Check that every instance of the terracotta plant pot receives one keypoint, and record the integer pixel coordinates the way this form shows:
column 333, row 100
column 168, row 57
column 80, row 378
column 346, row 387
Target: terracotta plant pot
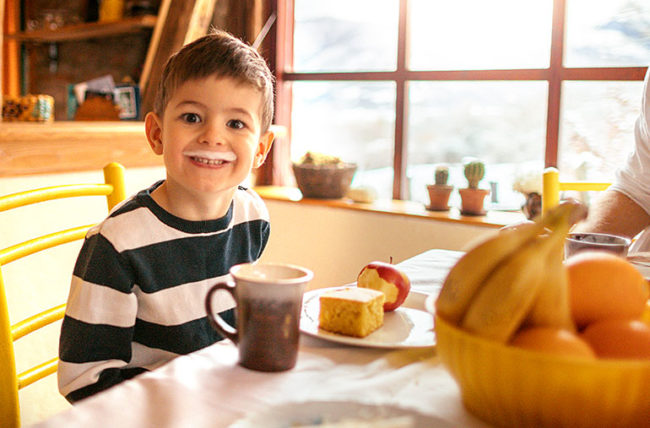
column 439, row 197
column 472, row 201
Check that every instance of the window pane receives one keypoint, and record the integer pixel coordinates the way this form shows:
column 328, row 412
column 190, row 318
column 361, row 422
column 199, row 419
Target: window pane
column 608, row 33
column 503, row 123
column 345, row 35
column 597, row 128
column 352, row 120
column 479, row 34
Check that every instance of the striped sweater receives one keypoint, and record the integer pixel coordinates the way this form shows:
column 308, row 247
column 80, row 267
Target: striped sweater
column 138, row 288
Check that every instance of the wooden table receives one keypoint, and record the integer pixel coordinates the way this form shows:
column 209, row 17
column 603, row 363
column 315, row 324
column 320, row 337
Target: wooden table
column 208, row 389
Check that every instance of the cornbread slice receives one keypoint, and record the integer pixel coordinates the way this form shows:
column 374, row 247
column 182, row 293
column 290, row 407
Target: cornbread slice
column 351, row 311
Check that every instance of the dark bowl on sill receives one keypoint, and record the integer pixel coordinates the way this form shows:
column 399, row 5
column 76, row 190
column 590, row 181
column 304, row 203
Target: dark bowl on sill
column 324, row 181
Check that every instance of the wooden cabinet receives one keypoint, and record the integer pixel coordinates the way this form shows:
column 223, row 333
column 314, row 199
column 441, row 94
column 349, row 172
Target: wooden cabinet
column 88, row 50
column 132, row 48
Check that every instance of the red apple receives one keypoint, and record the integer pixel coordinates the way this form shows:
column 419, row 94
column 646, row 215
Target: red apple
column 386, row 278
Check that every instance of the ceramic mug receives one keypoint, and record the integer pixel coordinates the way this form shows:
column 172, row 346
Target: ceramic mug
column 269, row 301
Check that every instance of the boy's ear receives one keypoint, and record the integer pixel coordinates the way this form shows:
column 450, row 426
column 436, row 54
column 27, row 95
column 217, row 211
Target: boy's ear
column 263, row 147
column 153, row 130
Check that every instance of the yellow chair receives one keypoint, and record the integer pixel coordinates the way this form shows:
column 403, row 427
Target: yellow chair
column 552, row 186
column 10, row 380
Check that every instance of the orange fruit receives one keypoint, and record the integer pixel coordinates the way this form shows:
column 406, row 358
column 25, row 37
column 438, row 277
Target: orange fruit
column 645, row 316
column 619, row 338
column 552, row 340
column 604, row 286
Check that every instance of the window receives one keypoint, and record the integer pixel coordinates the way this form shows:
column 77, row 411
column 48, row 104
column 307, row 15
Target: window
column 522, row 85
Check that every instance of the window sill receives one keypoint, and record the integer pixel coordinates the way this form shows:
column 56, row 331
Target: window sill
column 493, row 219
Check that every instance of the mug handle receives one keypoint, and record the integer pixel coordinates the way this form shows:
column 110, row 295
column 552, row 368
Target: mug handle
column 215, row 319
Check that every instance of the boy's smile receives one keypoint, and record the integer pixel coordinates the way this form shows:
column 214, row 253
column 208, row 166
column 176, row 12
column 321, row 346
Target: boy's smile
column 209, row 158
column 210, row 139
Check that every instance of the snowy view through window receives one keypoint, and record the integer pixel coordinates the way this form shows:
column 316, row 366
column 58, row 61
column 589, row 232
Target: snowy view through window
column 502, row 122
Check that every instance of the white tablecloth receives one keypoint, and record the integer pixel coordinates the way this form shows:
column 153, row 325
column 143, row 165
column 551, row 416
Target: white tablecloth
column 208, row 389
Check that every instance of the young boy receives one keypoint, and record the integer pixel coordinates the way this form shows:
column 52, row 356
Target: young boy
column 138, row 288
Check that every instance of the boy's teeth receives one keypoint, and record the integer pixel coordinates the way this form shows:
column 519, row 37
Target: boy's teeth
column 210, row 158
column 209, row 161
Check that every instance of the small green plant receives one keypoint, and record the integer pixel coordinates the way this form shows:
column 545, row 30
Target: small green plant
column 474, row 172
column 441, row 175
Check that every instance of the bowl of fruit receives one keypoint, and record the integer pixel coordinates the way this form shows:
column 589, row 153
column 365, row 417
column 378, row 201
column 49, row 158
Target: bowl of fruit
column 535, row 340
column 323, row 176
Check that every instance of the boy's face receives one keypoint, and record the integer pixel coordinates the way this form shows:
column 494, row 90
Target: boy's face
column 209, row 136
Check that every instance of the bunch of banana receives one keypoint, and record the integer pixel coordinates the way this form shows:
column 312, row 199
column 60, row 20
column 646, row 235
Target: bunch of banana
column 551, row 307
column 512, row 278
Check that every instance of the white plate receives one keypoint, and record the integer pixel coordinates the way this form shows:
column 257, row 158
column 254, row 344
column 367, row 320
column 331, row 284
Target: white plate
column 430, row 304
column 408, row 326
column 321, row 412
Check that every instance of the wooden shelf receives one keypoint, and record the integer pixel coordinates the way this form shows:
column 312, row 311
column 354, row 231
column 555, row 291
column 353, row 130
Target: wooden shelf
column 48, row 148
column 177, row 23
column 87, row 30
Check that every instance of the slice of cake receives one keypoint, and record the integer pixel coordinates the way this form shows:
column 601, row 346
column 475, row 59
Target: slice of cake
column 351, row 311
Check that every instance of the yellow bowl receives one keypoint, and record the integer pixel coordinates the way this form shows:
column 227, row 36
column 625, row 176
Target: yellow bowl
column 513, row 387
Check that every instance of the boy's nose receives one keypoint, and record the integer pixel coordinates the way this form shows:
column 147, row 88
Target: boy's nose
column 211, row 135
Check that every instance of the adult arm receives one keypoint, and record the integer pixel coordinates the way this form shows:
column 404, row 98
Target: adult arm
column 615, row 213
column 623, row 209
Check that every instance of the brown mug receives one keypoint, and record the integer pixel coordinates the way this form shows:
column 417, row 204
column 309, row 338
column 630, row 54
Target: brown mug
column 269, row 301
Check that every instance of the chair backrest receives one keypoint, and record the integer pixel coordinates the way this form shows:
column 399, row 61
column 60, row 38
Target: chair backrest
column 10, row 381
column 552, row 186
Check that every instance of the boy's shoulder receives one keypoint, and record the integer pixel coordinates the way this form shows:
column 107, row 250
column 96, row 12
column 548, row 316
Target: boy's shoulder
column 248, row 202
column 246, row 194
column 134, row 202
column 245, row 191
column 130, row 213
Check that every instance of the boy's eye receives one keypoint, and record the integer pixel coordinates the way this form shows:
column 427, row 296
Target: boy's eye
column 191, row 117
column 236, row 124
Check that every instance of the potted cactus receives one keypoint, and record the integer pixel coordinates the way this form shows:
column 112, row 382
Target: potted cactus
column 472, row 197
column 439, row 191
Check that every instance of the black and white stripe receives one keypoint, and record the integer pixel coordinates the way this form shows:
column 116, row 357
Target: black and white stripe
column 138, row 288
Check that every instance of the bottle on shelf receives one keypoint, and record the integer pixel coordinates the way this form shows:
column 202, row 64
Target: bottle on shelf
column 111, row 10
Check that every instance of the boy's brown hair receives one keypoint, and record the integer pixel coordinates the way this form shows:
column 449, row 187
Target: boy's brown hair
column 218, row 53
